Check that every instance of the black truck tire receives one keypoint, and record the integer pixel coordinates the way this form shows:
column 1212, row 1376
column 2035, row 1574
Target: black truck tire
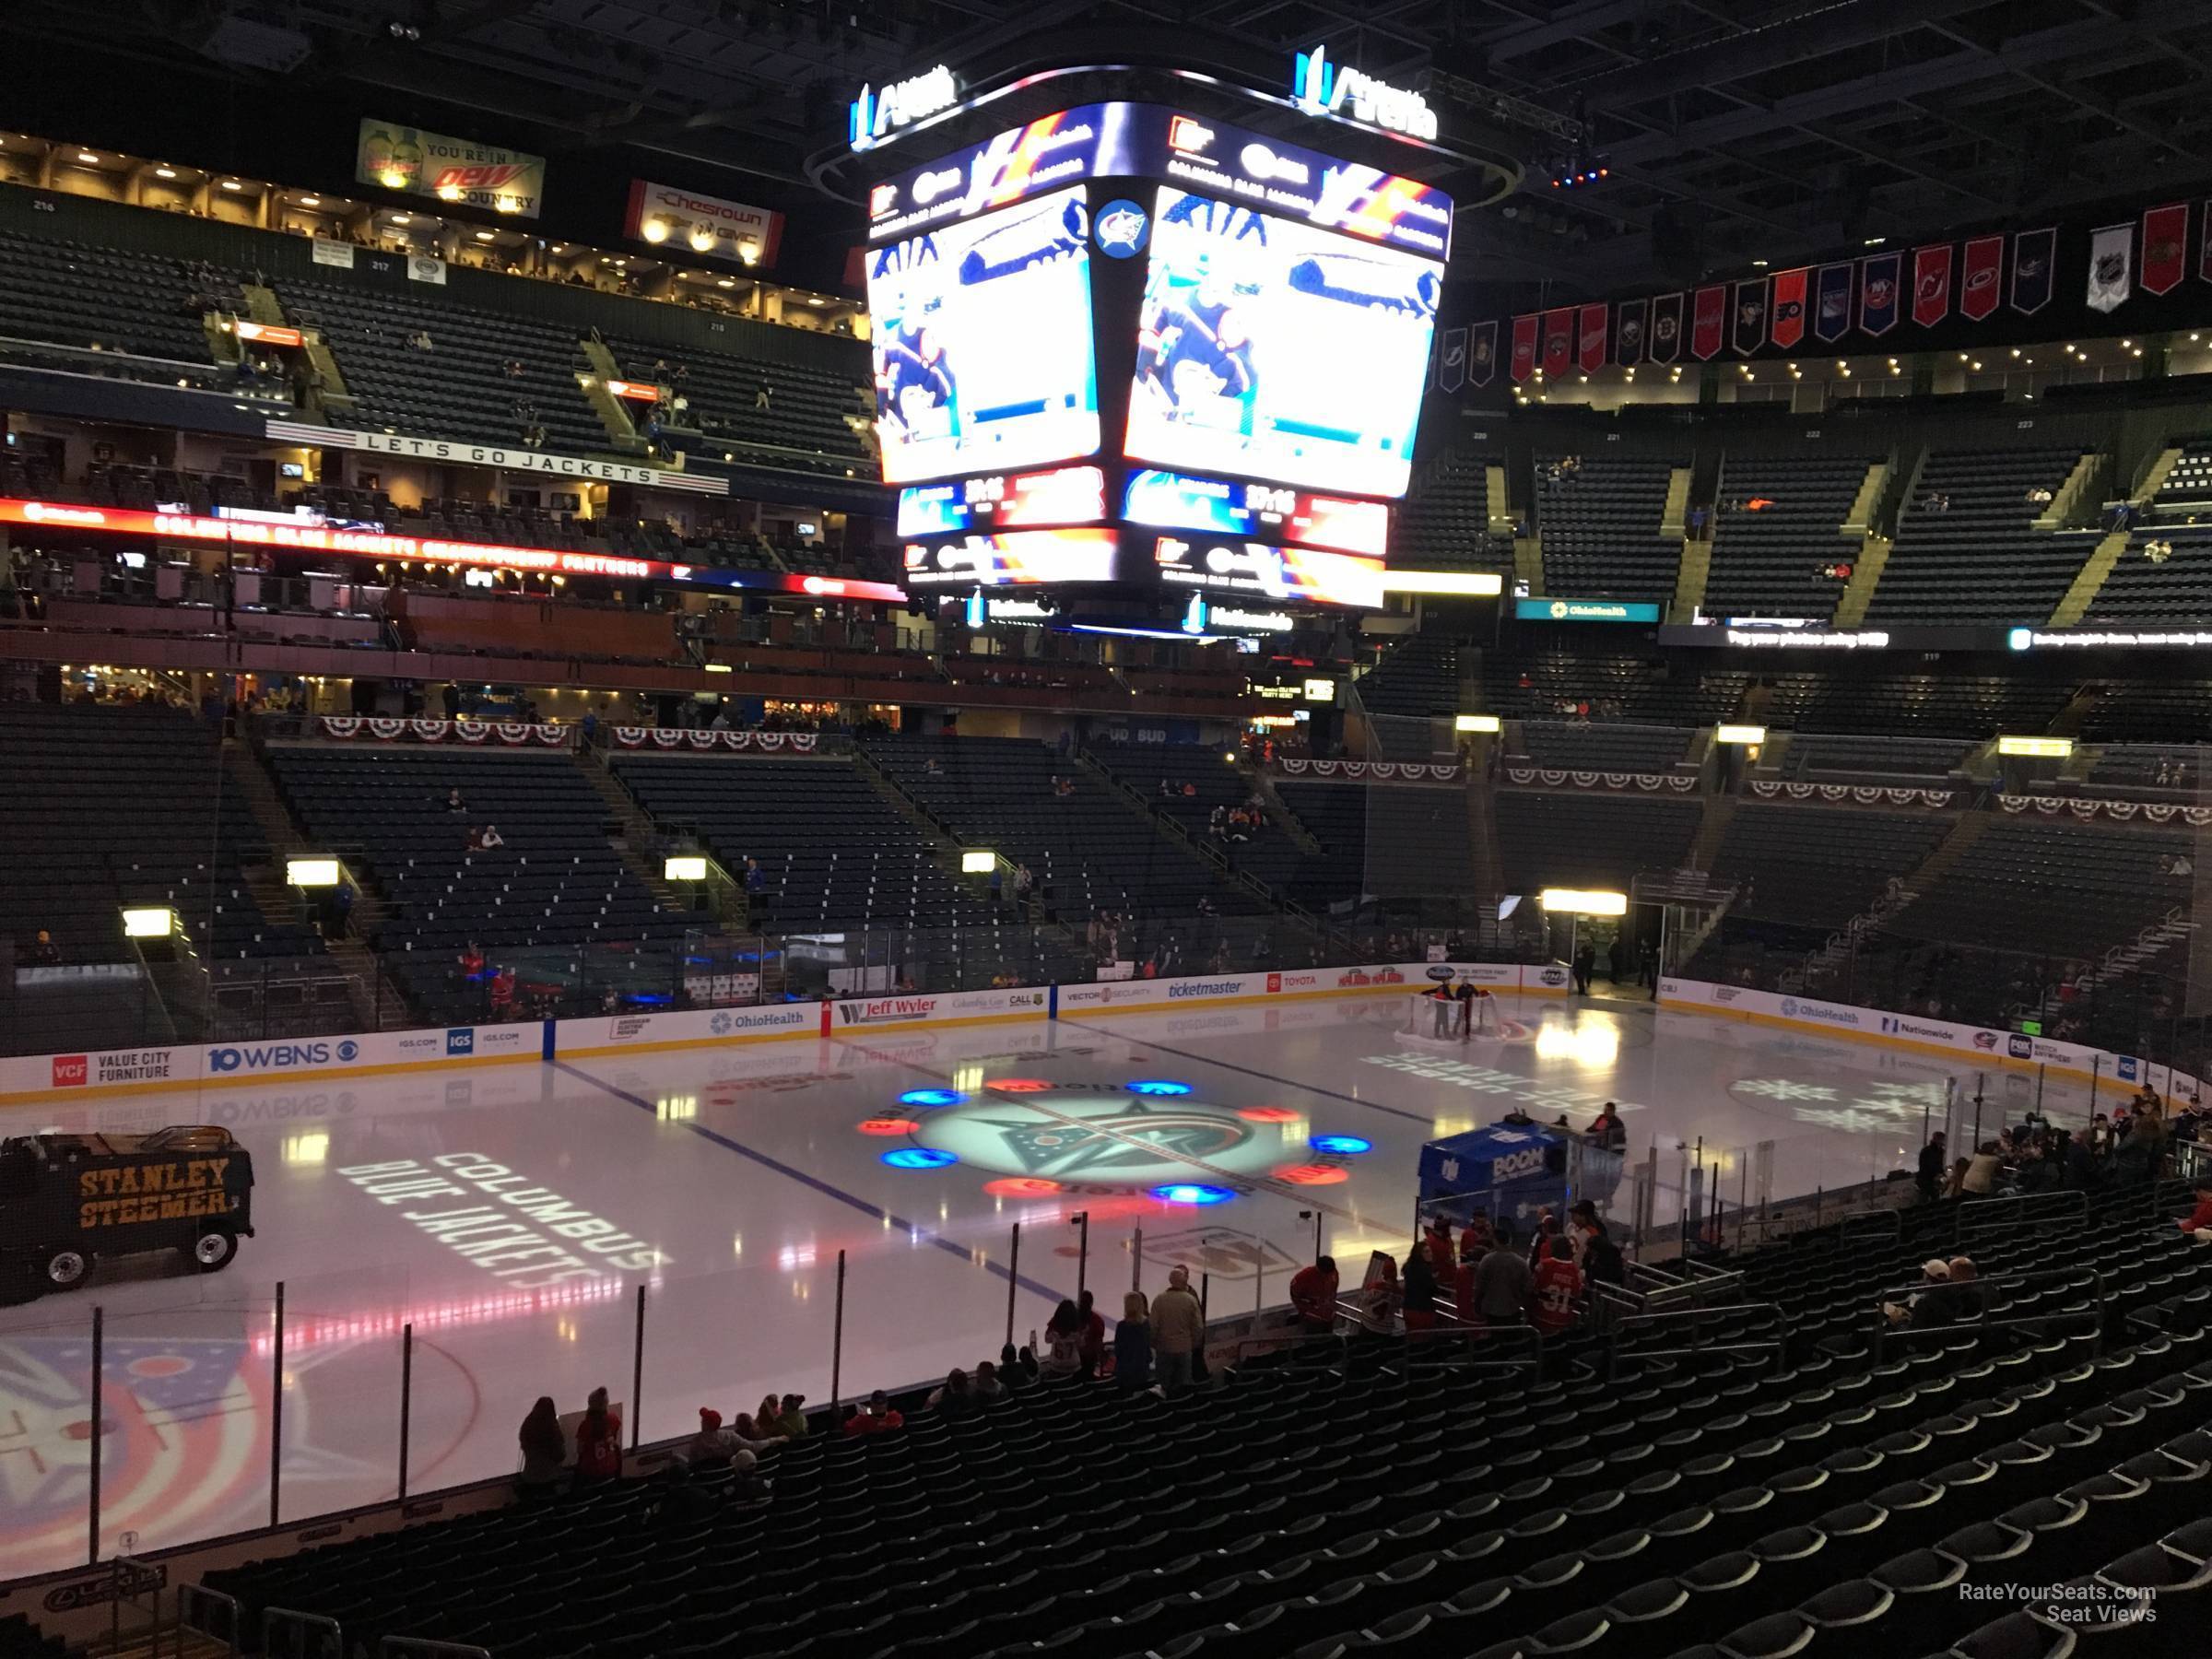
column 214, row 1249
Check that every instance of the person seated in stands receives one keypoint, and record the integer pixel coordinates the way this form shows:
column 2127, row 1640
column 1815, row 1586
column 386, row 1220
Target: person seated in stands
column 1189, row 790
column 1607, row 1130
column 747, row 1483
column 1981, row 1173
column 44, row 952
column 984, row 1385
column 1558, row 1282
column 955, row 1396
column 713, row 1444
column 1015, row 1366
column 598, row 1442
column 420, row 340
column 933, row 768
column 877, row 1416
column 763, row 396
column 790, row 1420
column 1934, row 1273
column 502, row 990
column 454, row 804
column 544, row 1451
column 491, row 837
column 1313, row 1295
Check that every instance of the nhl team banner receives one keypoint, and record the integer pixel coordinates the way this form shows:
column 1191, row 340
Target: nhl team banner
column 1879, row 275
column 1590, row 337
column 1982, row 273
column 1708, row 322
column 1482, row 354
column 2111, row 254
column 1931, row 283
column 1525, row 346
column 1559, row 341
column 1750, row 315
column 1451, row 360
column 1628, row 331
column 2034, row 256
column 1667, row 328
column 2165, row 248
column 665, row 215
column 415, row 162
column 1831, row 303
column 1788, row 306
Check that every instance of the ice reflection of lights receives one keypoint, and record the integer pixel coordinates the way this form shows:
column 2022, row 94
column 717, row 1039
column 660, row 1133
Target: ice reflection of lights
column 1021, row 1186
column 1018, row 1085
column 312, row 1146
column 676, row 1108
column 1591, row 1045
column 794, row 1257
column 1191, row 1192
column 1342, row 1146
column 1159, row 1086
column 1268, row 1114
column 1312, row 1175
column 919, row 1157
column 889, row 1125
column 929, row 1097
column 308, row 1330
column 736, row 1244
column 967, row 1075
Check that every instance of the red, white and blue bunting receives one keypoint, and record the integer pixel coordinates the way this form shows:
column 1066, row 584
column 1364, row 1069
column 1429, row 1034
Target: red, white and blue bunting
column 1650, row 782
column 2150, row 812
column 514, row 733
column 679, row 737
column 1865, row 795
column 1409, row 772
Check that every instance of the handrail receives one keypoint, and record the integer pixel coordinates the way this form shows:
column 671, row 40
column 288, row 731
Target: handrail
column 403, row 1646
column 1777, row 1346
column 299, row 1625
column 189, row 1615
column 2070, row 1204
column 1884, row 1330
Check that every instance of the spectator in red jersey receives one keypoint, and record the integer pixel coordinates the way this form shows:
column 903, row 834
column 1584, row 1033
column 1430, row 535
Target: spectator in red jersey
column 598, row 1442
column 1313, row 1295
column 544, row 1451
column 502, row 991
column 1558, row 1282
column 2200, row 1218
column 1063, row 1333
column 877, row 1416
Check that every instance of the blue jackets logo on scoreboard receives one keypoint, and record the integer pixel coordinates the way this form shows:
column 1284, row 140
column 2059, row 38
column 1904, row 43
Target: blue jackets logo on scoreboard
column 1121, row 229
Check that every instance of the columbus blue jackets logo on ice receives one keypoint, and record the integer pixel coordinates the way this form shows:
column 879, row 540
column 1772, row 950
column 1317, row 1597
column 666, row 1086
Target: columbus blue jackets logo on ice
column 1121, row 229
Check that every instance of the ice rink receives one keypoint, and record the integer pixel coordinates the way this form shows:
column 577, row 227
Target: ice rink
column 512, row 1212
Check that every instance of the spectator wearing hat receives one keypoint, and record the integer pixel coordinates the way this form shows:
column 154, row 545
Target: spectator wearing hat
column 877, row 1416
column 713, row 1444
column 1935, row 1273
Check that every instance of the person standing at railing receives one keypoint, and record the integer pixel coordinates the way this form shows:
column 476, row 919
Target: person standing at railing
column 1178, row 1332
column 598, row 1442
column 1929, row 1176
column 1558, row 1282
column 1421, row 1289
column 1313, row 1295
column 1132, row 1345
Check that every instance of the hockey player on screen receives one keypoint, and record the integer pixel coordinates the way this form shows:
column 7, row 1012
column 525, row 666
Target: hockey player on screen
column 1202, row 331
column 915, row 377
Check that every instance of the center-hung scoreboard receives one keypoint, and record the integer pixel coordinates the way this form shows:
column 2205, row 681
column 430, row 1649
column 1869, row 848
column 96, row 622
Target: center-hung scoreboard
column 1131, row 350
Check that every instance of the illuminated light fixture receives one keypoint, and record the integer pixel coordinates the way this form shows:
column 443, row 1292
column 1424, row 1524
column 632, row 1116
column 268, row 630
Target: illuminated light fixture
column 401, row 218
column 392, row 179
column 655, row 230
column 1758, row 265
column 1581, row 902
column 1192, row 1192
column 1320, row 690
column 1342, row 1146
column 483, row 236
column 314, row 871
column 87, row 158
column 920, row 1158
column 232, row 184
column 718, row 668
column 2039, row 748
column 684, row 867
column 1475, row 723
column 311, row 201
column 701, row 239
column 165, row 172
column 1740, row 734
column 978, row 862
column 149, row 921
column 447, row 192
column 727, row 282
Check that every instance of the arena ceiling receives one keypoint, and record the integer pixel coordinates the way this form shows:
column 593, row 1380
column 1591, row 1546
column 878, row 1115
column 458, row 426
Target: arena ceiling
column 1733, row 129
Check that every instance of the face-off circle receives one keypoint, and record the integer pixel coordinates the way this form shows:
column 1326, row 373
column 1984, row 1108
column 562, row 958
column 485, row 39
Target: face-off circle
column 1148, row 1137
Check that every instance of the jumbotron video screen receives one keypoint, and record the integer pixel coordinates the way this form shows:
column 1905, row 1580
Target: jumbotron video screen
column 984, row 343
column 1272, row 349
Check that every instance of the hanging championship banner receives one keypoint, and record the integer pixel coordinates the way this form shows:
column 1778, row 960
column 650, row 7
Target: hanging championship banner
column 1627, row 333
column 1879, row 276
column 1982, row 275
column 1559, row 341
column 1931, row 283
column 1788, row 306
column 2111, row 252
column 1451, row 360
column 2165, row 247
column 1667, row 328
column 1590, row 338
column 1482, row 353
column 1708, row 322
column 2034, row 255
column 1831, row 303
column 1525, row 346
column 1750, row 315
